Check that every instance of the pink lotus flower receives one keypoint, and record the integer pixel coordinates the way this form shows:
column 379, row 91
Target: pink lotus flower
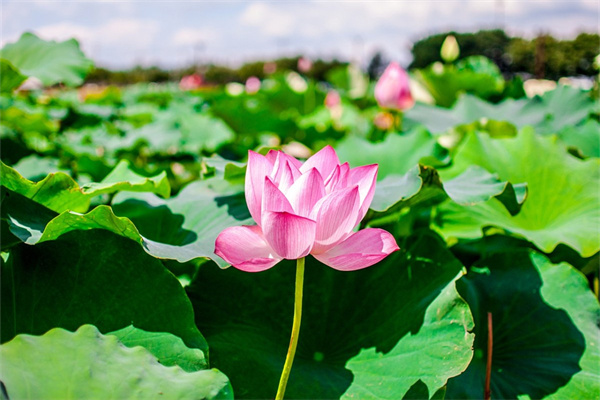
column 393, row 90
column 333, row 99
column 305, row 208
column 304, row 64
column 252, row 85
column 190, row 82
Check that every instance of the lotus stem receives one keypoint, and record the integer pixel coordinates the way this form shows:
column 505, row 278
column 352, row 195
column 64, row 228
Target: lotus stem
column 287, row 367
column 487, row 394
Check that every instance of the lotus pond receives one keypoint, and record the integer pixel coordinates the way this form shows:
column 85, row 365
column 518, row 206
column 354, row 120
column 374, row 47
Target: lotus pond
column 113, row 197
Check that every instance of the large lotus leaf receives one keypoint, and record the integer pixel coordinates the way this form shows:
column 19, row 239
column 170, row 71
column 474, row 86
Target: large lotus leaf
column 396, row 154
column 584, row 138
column 403, row 309
column 92, row 277
column 549, row 113
column 59, row 192
column 167, row 348
column 564, row 106
column 379, row 375
column 49, row 61
column 88, row 365
column 476, row 74
column 422, row 184
column 11, row 77
column 545, row 333
column 185, row 227
column 33, row 223
column 563, row 204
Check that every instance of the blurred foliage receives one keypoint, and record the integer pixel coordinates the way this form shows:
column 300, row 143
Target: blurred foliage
column 212, row 73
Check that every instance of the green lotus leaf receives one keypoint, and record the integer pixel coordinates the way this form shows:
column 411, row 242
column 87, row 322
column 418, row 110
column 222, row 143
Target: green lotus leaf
column 167, row 348
column 563, row 204
column 185, row 227
column 545, row 333
column 92, row 277
column 396, row 154
column 560, row 108
column 88, row 365
column 49, row 61
column 123, row 178
column 584, row 138
column 422, row 184
column 11, row 77
column 59, row 192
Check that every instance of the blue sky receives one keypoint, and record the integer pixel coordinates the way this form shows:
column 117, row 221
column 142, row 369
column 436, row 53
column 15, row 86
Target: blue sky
column 121, row 34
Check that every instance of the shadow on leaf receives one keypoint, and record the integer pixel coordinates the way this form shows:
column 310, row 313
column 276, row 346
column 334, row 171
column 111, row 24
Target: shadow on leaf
column 536, row 348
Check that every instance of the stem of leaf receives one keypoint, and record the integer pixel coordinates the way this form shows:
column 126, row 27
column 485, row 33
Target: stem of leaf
column 287, row 367
column 487, row 394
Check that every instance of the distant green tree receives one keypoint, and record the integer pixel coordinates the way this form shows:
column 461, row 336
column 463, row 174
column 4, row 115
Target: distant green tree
column 544, row 56
column 491, row 44
column 556, row 58
column 376, row 65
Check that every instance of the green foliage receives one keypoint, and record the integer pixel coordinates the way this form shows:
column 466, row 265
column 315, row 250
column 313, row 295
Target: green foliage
column 555, row 110
column 59, row 192
column 524, row 292
column 92, row 277
column 51, row 62
column 35, row 367
column 396, row 154
column 185, row 227
column 11, row 77
column 476, row 75
column 556, row 181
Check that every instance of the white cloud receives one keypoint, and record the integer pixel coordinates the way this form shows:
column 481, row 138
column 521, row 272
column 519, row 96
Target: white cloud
column 129, row 31
column 270, row 19
column 193, row 36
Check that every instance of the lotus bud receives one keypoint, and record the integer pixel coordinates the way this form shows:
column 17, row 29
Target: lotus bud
column 304, row 64
column 450, row 50
column 393, row 89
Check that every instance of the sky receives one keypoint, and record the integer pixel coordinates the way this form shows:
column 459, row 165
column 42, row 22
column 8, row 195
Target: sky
column 122, row 34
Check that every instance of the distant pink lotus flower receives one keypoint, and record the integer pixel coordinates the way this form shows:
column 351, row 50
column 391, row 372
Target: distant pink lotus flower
column 393, row 90
column 332, row 99
column 190, row 82
column 304, row 64
column 305, row 208
column 252, row 85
